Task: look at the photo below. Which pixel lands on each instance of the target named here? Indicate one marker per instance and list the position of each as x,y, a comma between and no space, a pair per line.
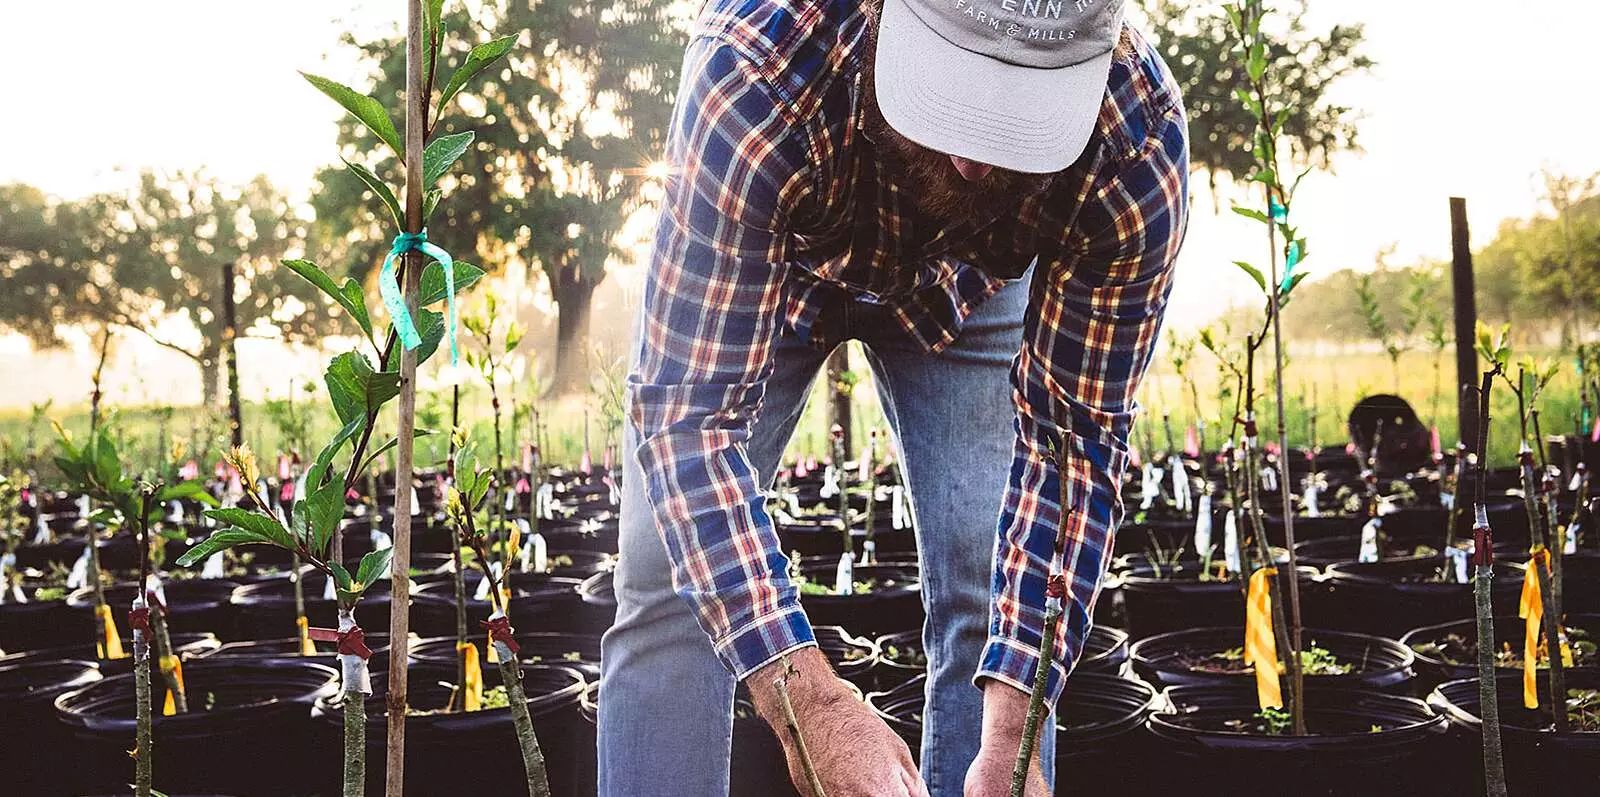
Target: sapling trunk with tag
1483,566
464,500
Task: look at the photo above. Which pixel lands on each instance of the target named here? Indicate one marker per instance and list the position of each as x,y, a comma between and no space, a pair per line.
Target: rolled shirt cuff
1017,664
764,640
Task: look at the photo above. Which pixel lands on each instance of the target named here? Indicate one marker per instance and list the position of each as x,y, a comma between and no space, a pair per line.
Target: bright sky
1470,97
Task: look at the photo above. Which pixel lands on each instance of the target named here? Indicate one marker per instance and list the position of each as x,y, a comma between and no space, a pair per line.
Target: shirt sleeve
712,299
1093,319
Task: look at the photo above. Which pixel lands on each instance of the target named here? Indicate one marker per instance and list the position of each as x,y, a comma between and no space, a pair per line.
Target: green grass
1328,385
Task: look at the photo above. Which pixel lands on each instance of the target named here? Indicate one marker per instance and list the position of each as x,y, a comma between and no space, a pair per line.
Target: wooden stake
400,589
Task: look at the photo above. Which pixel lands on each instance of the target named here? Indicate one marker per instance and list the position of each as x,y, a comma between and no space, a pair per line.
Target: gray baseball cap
1016,84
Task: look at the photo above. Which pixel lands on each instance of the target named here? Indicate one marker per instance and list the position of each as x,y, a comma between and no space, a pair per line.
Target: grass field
1325,385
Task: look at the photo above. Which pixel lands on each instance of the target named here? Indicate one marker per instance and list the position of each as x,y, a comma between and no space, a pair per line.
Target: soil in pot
1449,651
1390,598
900,658
1538,760
539,602
193,606
469,752
1330,659
240,716
1161,600
288,649
186,646
265,610
885,599
40,623
578,651
35,751
1215,740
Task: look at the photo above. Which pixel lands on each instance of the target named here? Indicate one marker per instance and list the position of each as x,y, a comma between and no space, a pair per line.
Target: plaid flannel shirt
776,200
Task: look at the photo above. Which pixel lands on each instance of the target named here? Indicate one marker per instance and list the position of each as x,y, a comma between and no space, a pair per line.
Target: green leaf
430,328
441,154
1258,61
368,110
324,459
341,576
430,201
267,528
350,297
374,566
355,389
220,541
391,443
1255,274
1251,213
321,512
435,12
478,60
431,290
380,188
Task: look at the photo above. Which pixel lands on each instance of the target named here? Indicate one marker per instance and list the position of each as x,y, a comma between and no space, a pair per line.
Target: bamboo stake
400,567
1494,768
143,715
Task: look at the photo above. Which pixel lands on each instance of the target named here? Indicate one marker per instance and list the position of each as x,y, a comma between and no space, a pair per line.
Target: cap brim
962,103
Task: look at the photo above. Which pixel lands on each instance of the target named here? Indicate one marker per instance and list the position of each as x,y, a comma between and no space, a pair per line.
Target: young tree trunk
840,410
143,744
532,756
230,331
573,292
355,742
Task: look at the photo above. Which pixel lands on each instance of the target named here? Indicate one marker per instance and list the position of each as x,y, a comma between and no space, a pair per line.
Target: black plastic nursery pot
193,606
1188,658
35,751
39,623
265,610
596,533
1392,597
466,752
1360,744
854,658
1448,651
539,602
1161,600
1580,583
821,537
894,602
1101,742
1538,760
581,652
900,658
247,726
186,646
288,649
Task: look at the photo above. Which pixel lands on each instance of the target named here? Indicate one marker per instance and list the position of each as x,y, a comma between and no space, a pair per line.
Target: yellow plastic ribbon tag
173,666
1260,644
472,690
110,642
513,544
1531,609
491,655
307,647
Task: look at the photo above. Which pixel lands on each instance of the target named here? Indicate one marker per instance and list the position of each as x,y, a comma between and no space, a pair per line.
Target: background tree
142,258
567,132
1302,66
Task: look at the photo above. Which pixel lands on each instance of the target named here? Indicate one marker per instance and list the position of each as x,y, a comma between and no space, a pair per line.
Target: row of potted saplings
209,679
1389,650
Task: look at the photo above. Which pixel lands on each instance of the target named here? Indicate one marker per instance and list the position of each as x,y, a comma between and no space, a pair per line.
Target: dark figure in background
1404,443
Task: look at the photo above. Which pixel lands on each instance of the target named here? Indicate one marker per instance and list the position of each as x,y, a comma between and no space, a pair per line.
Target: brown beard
929,178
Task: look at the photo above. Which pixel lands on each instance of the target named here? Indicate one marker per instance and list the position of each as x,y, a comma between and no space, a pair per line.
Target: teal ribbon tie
394,300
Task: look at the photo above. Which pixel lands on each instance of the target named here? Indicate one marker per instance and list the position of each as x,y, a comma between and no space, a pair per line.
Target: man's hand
853,752
1005,713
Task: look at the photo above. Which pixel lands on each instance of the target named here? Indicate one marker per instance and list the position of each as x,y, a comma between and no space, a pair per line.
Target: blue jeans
666,701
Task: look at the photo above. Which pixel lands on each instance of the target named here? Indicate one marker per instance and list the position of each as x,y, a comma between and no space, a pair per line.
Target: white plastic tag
41,534
380,538
869,552
844,580
1230,542
1182,492
1269,478
1369,540
1150,487
482,592
1570,545
1309,500
830,482
79,575
1459,557
536,554
901,518
1202,527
